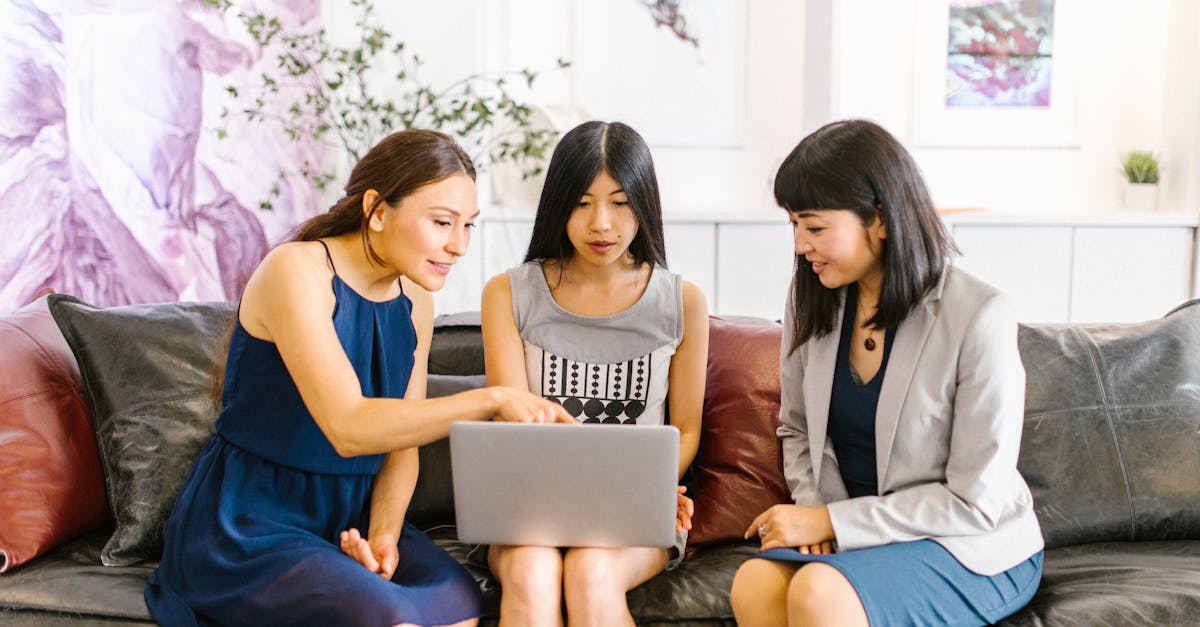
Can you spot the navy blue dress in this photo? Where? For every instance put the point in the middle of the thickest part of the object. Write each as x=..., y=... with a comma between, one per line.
x=253, y=537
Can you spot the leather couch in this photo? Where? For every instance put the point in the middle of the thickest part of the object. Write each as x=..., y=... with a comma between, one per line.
x=1111, y=450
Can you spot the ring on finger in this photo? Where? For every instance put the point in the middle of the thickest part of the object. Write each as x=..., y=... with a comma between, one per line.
x=762, y=531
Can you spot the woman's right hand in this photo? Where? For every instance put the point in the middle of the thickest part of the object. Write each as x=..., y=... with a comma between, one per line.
x=515, y=405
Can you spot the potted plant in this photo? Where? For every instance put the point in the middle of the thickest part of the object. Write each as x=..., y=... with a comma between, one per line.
x=1141, y=179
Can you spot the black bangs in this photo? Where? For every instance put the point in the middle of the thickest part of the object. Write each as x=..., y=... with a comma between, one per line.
x=796, y=190
x=816, y=176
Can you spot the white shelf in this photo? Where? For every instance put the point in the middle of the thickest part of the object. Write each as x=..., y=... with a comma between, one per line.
x=1107, y=218
x=984, y=217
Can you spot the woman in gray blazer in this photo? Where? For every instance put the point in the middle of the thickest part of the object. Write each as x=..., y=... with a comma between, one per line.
x=902, y=402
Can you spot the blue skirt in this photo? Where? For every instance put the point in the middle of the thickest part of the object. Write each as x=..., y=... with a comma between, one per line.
x=920, y=583
x=252, y=542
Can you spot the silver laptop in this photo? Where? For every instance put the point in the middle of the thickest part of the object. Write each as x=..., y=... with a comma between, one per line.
x=564, y=485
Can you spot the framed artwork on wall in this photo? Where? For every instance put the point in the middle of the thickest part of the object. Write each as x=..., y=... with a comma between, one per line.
x=996, y=73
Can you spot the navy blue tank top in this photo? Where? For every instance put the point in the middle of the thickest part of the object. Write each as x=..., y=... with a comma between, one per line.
x=263, y=412
x=852, y=411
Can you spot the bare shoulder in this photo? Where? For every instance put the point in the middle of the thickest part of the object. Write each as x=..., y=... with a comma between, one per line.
x=497, y=289
x=290, y=275
x=693, y=297
x=287, y=266
x=294, y=257
x=695, y=304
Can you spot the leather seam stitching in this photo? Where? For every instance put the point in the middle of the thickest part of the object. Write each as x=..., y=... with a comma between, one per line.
x=158, y=401
x=1146, y=405
x=1094, y=357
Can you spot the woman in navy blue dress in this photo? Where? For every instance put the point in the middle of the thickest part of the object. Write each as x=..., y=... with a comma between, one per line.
x=294, y=511
x=902, y=404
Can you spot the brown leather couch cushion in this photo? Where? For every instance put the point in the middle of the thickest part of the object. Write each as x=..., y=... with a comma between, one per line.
x=738, y=471
x=51, y=486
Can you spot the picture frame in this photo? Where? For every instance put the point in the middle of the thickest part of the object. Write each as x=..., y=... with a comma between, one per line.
x=934, y=124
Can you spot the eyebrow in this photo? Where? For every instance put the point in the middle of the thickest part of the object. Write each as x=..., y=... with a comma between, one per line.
x=612, y=193
x=807, y=213
x=456, y=212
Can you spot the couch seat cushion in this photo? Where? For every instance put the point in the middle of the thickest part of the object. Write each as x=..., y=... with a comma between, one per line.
x=1117, y=583
x=70, y=579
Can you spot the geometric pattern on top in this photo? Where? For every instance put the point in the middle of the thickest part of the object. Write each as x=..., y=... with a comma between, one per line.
x=597, y=393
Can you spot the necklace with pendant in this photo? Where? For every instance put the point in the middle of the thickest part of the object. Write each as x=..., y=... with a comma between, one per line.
x=869, y=342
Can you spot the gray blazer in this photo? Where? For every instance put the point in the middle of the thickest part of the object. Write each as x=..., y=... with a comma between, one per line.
x=947, y=432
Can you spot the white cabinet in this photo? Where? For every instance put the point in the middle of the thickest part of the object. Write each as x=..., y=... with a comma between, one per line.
x=1130, y=274
x=692, y=253
x=1029, y=263
x=1110, y=267
x=1122, y=267
x=754, y=267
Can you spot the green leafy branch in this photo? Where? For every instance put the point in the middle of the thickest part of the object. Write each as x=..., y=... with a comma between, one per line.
x=324, y=91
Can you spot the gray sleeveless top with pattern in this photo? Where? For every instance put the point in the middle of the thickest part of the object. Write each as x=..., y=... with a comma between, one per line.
x=602, y=369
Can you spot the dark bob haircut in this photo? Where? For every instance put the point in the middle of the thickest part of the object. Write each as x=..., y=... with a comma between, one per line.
x=859, y=166
x=580, y=156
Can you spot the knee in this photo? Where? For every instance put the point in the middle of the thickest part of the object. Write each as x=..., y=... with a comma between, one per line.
x=587, y=572
x=814, y=587
x=756, y=584
x=527, y=569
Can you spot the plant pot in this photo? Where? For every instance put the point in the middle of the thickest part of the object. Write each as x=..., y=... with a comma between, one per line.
x=1141, y=196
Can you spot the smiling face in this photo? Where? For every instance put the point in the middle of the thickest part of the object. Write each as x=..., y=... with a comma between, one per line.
x=602, y=225
x=425, y=234
x=841, y=249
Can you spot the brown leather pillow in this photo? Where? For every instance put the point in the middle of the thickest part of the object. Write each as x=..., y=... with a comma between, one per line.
x=738, y=470
x=51, y=486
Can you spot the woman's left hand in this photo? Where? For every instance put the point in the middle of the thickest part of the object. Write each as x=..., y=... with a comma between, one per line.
x=793, y=526
x=683, y=512
x=379, y=555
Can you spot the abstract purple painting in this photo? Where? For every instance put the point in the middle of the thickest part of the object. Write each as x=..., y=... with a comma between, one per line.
x=114, y=186
x=1000, y=53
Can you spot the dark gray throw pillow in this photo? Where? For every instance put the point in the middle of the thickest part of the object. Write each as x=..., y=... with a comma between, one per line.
x=1112, y=428
x=147, y=378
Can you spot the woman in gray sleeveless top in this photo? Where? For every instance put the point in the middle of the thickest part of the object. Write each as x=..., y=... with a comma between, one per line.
x=594, y=321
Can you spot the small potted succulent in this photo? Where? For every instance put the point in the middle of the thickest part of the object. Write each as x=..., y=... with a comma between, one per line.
x=1141, y=179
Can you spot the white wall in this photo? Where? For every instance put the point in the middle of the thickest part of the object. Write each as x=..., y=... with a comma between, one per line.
x=806, y=62
x=1137, y=69
x=458, y=37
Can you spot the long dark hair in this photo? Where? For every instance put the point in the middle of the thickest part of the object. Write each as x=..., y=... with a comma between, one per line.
x=396, y=167
x=581, y=154
x=857, y=165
